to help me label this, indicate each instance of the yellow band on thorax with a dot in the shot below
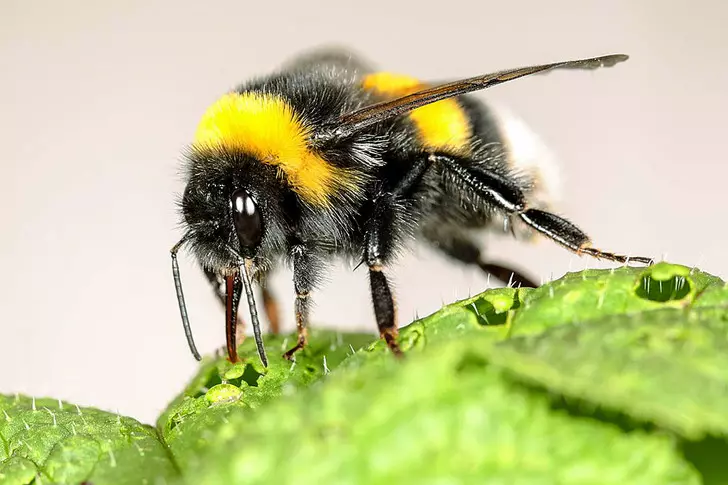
(267, 128)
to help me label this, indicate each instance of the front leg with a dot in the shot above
(306, 270)
(233, 289)
(228, 290)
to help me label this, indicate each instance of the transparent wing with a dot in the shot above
(376, 113)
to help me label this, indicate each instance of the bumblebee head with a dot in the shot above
(233, 210)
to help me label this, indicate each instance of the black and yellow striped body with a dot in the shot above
(328, 157)
(263, 135)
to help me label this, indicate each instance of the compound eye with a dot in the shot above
(247, 219)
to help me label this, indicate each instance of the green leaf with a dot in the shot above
(438, 416)
(592, 294)
(604, 376)
(51, 441)
(468, 403)
(221, 388)
(664, 364)
(667, 366)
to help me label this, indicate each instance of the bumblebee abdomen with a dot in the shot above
(441, 126)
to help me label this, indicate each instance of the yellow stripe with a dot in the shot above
(443, 125)
(267, 128)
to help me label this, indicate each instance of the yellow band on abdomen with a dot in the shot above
(442, 125)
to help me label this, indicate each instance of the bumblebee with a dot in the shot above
(329, 158)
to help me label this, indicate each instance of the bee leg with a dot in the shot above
(389, 210)
(461, 248)
(270, 306)
(219, 287)
(270, 303)
(233, 287)
(306, 268)
(507, 275)
(568, 235)
(378, 244)
(384, 308)
(494, 190)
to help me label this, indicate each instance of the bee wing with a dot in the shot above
(363, 118)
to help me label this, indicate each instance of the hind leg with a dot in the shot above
(489, 189)
(461, 247)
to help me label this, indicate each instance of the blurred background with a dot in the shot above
(97, 100)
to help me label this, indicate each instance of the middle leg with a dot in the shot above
(382, 232)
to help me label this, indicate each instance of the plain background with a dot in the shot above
(97, 99)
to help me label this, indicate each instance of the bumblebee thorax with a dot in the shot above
(264, 126)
